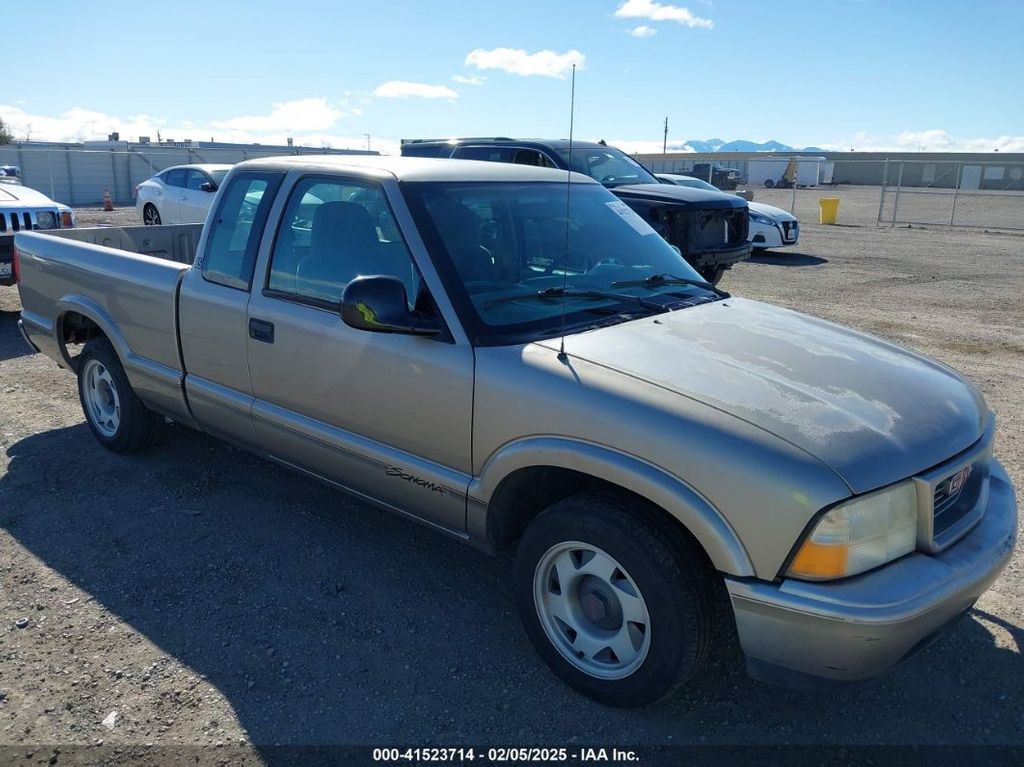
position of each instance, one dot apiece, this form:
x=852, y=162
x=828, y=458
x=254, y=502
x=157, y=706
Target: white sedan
x=770, y=227
x=179, y=195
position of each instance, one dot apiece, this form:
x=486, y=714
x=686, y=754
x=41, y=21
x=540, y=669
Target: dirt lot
x=206, y=596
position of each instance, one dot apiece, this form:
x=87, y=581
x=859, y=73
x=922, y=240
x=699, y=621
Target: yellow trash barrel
x=828, y=210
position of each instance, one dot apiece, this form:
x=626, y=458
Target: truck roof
x=418, y=168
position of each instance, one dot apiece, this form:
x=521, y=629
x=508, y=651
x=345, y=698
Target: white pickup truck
x=513, y=356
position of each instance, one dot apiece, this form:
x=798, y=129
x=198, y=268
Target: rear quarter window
x=235, y=231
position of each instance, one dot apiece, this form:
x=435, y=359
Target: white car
x=770, y=227
x=179, y=195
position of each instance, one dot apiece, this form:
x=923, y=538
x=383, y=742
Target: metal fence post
x=796, y=178
x=881, y=199
x=956, y=191
x=896, y=202
x=71, y=180
x=49, y=167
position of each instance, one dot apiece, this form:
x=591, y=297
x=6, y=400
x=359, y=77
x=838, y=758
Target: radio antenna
x=568, y=187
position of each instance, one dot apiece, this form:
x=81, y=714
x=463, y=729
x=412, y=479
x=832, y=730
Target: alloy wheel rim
x=101, y=400
x=592, y=610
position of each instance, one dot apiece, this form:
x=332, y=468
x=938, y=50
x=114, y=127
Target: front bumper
x=720, y=257
x=796, y=632
x=773, y=235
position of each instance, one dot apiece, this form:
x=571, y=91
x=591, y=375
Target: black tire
x=769, y=184
x=680, y=591
x=150, y=215
x=712, y=274
x=137, y=426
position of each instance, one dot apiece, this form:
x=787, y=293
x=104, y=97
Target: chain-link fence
x=985, y=193
x=79, y=176
x=955, y=194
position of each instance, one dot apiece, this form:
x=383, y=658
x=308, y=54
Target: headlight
x=859, y=535
x=762, y=219
x=46, y=219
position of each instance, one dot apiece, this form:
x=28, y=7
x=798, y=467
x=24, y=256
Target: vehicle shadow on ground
x=11, y=343
x=323, y=620
x=772, y=258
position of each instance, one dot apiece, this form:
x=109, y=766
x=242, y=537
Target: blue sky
x=868, y=74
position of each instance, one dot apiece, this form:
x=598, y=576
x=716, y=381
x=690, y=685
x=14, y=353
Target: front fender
x=668, y=491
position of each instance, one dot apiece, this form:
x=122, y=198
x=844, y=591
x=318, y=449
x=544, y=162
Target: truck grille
x=720, y=228
x=15, y=221
x=957, y=495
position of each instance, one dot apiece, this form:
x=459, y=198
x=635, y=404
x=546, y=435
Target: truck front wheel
x=712, y=274
x=116, y=416
x=618, y=602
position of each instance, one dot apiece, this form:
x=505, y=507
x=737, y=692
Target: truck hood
x=12, y=196
x=872, y=411
x=672, y=194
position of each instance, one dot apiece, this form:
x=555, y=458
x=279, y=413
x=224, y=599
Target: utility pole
x=664, y=140
x=367, y=141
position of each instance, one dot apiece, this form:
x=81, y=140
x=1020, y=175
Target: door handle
x=261, y=330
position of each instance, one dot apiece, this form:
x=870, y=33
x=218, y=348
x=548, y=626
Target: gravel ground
x=197, y=595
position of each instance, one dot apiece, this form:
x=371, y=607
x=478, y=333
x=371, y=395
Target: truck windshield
x=501, y=250
x=608, y=165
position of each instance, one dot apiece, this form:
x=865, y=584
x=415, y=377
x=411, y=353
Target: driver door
x=385, y=415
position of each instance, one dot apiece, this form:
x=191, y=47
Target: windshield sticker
x=630, y=216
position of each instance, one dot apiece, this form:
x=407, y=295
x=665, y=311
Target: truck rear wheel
x=618, y=603
x=116, y=416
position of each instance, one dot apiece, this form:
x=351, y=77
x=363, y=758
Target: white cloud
x=313, y=114
x=646, y=146
x=76, y=125
x=655, y=11
x=402, y=89
x=642, y=31
x=516, y=61
x=471, y=80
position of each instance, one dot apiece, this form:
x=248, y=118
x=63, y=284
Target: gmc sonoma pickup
x=662, y=460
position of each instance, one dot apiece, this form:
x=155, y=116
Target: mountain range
x=717, y=145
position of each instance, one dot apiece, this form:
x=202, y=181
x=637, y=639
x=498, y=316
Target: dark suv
x=709, y=228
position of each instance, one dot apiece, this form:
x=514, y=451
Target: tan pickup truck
x=514, y=357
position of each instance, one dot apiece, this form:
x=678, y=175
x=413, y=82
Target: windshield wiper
x=669, y=279
x=559, y=292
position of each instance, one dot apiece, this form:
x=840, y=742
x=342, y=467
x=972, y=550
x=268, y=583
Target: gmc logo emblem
x=958, y=480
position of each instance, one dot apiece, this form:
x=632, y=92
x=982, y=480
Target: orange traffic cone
x=108, y=204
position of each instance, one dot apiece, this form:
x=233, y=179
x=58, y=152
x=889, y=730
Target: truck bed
x=126, y=280
x=173, y=243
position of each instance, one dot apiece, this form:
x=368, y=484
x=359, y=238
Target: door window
x=533, y=157
x=196, y=178
x=234, y=237
x=487, y=153
x=175, y=177
x=333, y=231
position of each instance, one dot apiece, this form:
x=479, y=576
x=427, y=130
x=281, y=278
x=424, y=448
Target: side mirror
x=378, y=303
x=208, y=186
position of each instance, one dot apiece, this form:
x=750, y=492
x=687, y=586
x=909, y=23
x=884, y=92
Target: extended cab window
x=333, y=231
x=234, y=237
